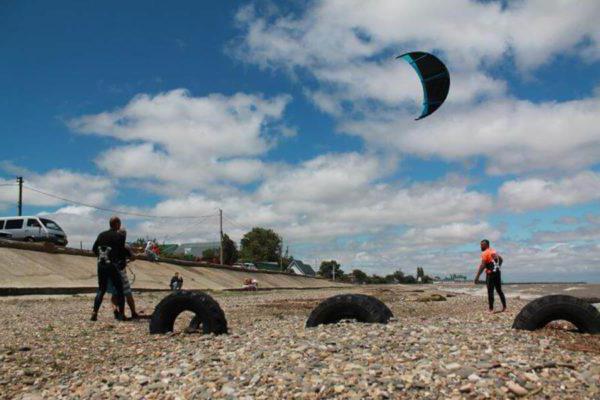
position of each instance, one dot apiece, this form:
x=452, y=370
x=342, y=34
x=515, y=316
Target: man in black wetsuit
x=176, y=282
x=491, y=262
x=110, y=249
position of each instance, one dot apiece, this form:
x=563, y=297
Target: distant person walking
x=110, y=250
x=491, y=262
x=150, y=251
x=176, y=282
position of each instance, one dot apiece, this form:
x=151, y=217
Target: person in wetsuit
x=490, y=263
x=176, y=282
x=127, y=292
x=110, y=250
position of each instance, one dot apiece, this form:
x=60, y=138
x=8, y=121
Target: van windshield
x=50, y=224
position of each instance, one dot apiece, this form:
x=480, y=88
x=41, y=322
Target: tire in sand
x=209, y=317
x=359, y=307
x=544, y=310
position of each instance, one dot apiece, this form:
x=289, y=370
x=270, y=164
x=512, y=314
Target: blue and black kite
x=434, y=78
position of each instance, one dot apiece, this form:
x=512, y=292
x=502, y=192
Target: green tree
x=327, y=267
x=260, y=244
x=409, y=279
x=376, y=279
x=210, y=254
x=359, y=276
x=420, y=273
x=230, y=251
x=399, y=276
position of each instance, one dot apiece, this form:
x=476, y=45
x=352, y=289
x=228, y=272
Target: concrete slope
x=36, y=269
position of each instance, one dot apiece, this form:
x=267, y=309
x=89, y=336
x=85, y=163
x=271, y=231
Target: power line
x=9, y=184
x=114, y=210
x=236, y=224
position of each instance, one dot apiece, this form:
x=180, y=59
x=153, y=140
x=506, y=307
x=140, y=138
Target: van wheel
x=30, y=240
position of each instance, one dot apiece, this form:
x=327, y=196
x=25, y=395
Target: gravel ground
x=431, y=350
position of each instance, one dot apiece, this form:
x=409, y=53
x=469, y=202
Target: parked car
x=32, y=229
x=250, y=266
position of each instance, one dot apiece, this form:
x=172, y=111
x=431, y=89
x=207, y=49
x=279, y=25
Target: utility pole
x=221, y=236
x=20, y=204
x=281, y=255
x=333, y=270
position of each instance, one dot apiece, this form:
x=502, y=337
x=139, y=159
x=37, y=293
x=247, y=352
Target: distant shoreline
x=524, y=283
x=545, y=283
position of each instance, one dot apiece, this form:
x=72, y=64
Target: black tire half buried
x=544, y=310
x=208, y=314
x=359, y=307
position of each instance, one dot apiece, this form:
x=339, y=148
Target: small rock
x=516, y=388
x=466, y=388
x=254, y=379
x=465, y=372
x=531, y=377
x=452, y=366
x=339, y=388
x=227, y=390
x=32, y=396
x=142, y=379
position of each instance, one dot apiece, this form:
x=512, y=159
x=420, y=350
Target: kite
x=434, y=78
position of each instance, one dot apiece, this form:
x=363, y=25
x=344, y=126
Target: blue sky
x=298, y=118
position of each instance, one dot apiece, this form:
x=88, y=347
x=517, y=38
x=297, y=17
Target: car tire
x=358, y=307
x=544, y=310
x=208, y=313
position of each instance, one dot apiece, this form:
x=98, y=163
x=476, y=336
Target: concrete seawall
x=37, y=271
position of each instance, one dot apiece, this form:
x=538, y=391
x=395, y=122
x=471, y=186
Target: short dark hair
x=486, y=241
x=114, y=222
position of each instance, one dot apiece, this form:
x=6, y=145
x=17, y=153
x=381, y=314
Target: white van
x=32, y=229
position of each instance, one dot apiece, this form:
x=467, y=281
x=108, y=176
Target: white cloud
x=469, y=33
x=175, y=137
x=82, y=187
x=537, y=193
x=457, y=233
x=515, y=135
x=348, y=48
x=337, y=195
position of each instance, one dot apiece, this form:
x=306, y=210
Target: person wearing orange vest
x=491, y=263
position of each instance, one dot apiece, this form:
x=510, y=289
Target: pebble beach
x=450, y=349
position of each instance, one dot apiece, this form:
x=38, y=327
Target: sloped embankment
x=33, y=268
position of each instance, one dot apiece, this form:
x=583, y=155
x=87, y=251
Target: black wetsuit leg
x=489, y=281
x=494, y=281
x=115, y=276
x=105, y=272
x=498, y=286
x=103, y=276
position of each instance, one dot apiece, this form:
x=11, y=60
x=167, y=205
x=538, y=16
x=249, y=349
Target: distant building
x=455, y=278
x=299, y=268
x=195, y=249
x=267, y=266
